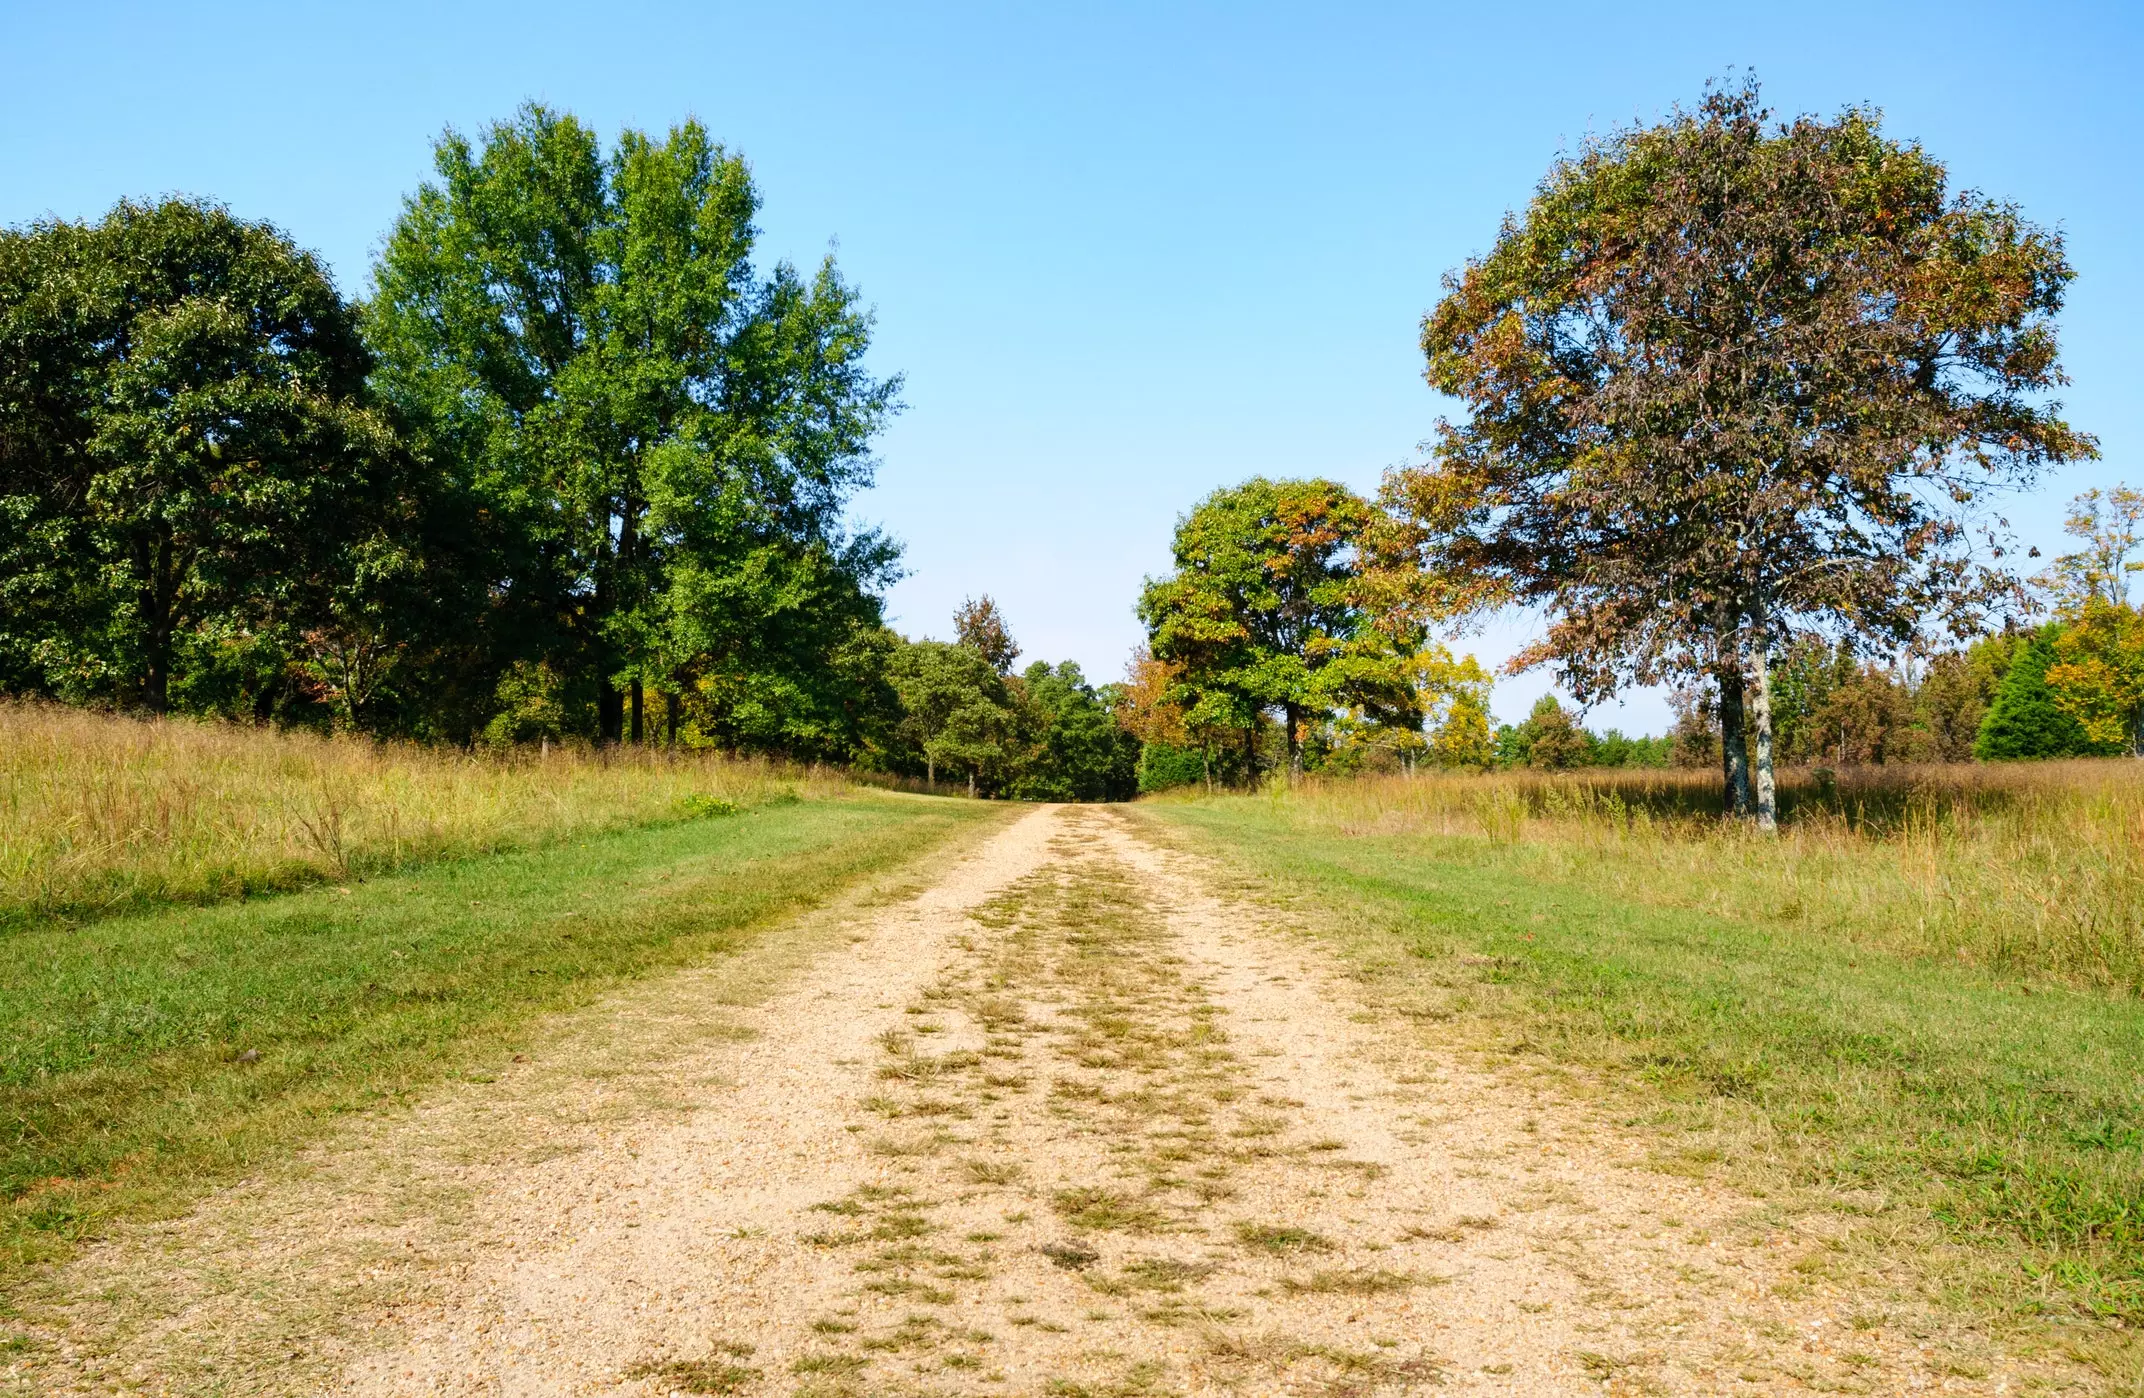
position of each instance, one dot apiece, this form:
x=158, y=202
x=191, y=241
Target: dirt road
x=1066, y=1124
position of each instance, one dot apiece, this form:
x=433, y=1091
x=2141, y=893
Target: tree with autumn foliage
x=979, y=624
x=1727, y=382
x=2096, y=674
x=2109, y=528
x=1265, y=612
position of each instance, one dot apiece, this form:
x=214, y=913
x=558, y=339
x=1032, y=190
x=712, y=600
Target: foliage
x=2108, y=524
x=1463, y=739
x=1728, y=383
x=979, y=625
x=1831, y=707
x=1082, y=752
x=1549, y=739
x=1265, y=610
x=1164, y=767
x=1045, y=735
x=2023, y=719
x=957, y=712
x=662, y=441
x=199, y=506
x=2097, y=678
x=2096, y=675
x=1150, y=705
x=1552, y=740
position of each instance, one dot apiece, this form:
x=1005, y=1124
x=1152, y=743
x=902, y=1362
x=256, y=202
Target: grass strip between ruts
x=2010, y=1114
x=149, y=1056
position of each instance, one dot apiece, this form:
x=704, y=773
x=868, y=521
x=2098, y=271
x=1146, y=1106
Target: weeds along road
x=1060, y=1123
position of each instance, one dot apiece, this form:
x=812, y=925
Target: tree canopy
x=191, y=479
x=1729, y=381
x=1266, y=610
x=662, y=439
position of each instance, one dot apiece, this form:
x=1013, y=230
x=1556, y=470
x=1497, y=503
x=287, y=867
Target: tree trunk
x=971, y=786
x=1295, y=750
x=156, y=688
x=670, y=708
x=639, y=705
x=930, y=772
x=610, y=704
x=1761, y=717
x=610, y=712
x=1734, y=750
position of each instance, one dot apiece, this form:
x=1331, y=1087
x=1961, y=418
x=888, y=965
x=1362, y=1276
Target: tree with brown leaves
x=1729, y=381
x=980, y=625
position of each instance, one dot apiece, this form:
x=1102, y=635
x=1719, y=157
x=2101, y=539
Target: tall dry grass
x=2033, y=867
x=99, y=813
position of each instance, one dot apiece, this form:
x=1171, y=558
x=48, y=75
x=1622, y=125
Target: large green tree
x=1728, y=381
x=663, y=439
x=191, y=480
x=1266, y=611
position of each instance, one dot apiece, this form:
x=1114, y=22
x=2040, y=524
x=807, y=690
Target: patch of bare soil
x=1068, y=1125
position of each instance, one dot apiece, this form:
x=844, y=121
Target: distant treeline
x=1991, y=700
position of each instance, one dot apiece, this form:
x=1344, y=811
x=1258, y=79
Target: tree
x=191, y=472
x=1175, y=749
x=2097, y=677
x=1081, y=752
x=2023, y=720
x=1549, y=740
x=1463, y=737
x=1729, y=382
x=980, y=626
x=957, y=712
x=1953, y=696
x=1265, y=611
x=2111, y=526
x=664, y=441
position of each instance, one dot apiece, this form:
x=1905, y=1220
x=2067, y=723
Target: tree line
x=578, y=468
x=1737, y=395
x=1210, y=695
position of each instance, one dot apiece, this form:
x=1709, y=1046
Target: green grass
x=147, y=1056
x=2003, y=1113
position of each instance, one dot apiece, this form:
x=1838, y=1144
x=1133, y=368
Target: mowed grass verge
x=1995, y=1119
x=145, y=1057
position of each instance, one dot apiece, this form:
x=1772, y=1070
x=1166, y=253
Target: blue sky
x=1124, y=254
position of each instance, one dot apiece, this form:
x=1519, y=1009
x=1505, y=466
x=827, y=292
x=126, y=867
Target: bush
x=1162, y=767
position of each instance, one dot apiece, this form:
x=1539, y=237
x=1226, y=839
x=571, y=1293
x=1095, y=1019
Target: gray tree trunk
x=1761, y=718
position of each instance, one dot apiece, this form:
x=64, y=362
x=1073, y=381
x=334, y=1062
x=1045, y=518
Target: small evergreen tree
x=2024, y=721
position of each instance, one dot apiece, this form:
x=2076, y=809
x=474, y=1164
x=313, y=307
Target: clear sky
x=1124, y=254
